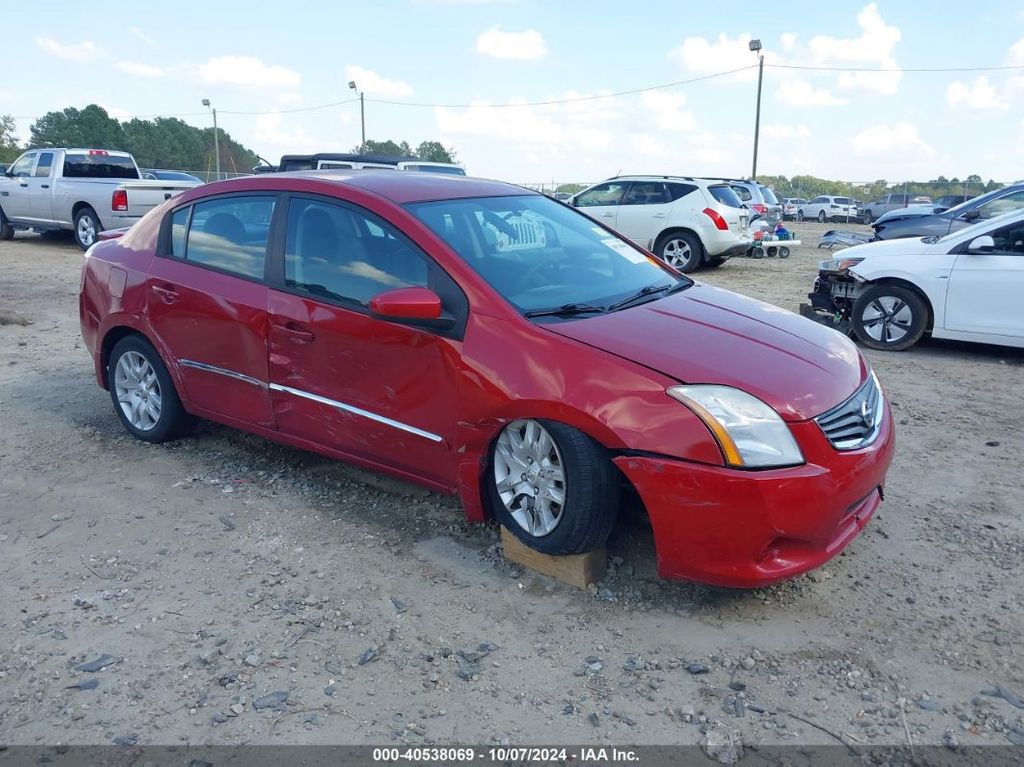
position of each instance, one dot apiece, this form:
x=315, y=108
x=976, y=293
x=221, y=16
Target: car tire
x=680, y=250
x=868, y=218
x=6, y=228
x=799, y=215
x=87, y=227
x=578, y=510
x=821, y=217
x=889, y=317
x=143, y=393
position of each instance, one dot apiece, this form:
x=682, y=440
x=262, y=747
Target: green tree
x=388, y=147
x=9, y=148
x=435, y=151
x=88, y=127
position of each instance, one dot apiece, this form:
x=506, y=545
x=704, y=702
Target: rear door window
x=646, y=193
x=229, y=234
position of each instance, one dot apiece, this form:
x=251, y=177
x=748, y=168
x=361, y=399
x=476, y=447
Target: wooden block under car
x=577, y=570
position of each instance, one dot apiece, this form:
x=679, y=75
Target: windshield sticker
x=625, y=251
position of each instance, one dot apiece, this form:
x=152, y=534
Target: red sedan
x=487, y=341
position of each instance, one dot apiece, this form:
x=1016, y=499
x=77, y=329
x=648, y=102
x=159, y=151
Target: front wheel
x=800, y=215
x=868, y=218
x=680, y=250
x=552, y=486
x=87, y=227
x=143, y=393
x=821, y=217
x=889, y=317
x=6, y=228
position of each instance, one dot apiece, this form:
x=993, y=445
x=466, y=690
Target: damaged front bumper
x=832, y=299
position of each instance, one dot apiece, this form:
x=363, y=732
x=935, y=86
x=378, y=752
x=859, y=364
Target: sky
x=469, y=73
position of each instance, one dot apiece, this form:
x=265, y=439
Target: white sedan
x=966, y=286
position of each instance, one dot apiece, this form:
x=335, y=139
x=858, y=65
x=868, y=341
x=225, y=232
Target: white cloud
x=1016, y=54
x=872, y=48
x=667, y=110
x=800, y=93
x=116, y=112
x=141, y=35
x=698, y=54
x=886, y=140
x=375, y=84
x=276, y=138
x=83, y=51
x=247, y=72
x=784, y=131
x=139, y=69
x=981, y=95
x=527, y=45
x=288, y=98
x=788, y=40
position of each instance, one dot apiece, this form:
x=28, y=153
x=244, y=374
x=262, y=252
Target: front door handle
x=167, y=293
x=607, y=215
x=44, y=186
x=659, y=215
x=297, y=333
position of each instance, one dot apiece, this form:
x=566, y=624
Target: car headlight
x=749, y=432
x=838, y=264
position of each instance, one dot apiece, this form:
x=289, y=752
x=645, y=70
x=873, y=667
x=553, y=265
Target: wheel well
x=916, y=290
x=110, y=341
x=684, y=230
x=78, y=206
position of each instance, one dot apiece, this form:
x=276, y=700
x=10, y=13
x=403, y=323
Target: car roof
x=400, y=188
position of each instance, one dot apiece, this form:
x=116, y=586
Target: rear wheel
x=680, y=250
x=143, y=393
x=87, y=227
x=552, y=486
x=889, y=317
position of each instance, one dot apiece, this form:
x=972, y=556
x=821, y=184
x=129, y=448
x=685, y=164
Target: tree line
x=164, y=142
x=812, y=186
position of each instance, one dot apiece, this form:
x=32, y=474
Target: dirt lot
x=223, y=569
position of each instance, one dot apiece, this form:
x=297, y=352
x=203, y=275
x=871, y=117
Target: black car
x=940, y=224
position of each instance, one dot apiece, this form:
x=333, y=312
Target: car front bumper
x=746, y=529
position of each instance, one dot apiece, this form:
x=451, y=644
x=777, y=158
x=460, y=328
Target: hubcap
x=887, y=319
x=530, y=477
x=86, y=230
x=137, y=390
x=677, y=253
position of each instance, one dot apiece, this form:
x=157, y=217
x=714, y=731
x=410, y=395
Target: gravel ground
x=244, y=592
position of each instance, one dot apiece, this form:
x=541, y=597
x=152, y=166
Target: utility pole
x=216, y=139
x=755, y=46
x=362, y=115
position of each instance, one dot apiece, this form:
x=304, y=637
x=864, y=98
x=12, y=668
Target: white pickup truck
x=83, y=190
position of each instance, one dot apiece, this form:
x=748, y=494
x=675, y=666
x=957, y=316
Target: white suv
x=826, y=208
x=684, y=221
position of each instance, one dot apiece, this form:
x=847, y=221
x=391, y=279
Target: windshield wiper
x=566, y=310
x=649, y=290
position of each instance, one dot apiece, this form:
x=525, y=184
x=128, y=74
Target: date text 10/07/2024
x=503, y=754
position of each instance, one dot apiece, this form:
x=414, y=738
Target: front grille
x=856, y=422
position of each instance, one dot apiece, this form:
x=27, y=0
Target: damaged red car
x=490, y=342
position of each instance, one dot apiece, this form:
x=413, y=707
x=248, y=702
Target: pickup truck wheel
x=87, y=227
x=889, y=317
x=552, y=486
x=821, y=217
x=6, y=228
x=143, y=393
x=680, y=250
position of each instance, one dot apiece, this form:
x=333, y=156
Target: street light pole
x=755, y=46
x=362, y=115
x=216, y=139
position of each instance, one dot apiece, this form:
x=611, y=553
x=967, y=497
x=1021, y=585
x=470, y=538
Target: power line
x=897, y=69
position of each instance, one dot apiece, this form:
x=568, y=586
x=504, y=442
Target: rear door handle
x=607, y=215
x=297, y=333
x=44, y=186
x=167, y=293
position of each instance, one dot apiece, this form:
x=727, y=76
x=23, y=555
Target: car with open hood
x=490, y=342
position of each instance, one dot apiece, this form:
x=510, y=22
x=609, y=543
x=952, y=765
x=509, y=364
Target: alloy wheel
x=887, y=319
x=677, y=253
x=86, y=230
x=138, y=390
x=529, y=476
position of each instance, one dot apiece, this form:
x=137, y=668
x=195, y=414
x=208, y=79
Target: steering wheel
x=529, y=273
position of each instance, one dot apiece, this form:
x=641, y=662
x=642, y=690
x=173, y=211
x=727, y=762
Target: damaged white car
x=966, y=286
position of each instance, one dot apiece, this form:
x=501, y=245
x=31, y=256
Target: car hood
x=903, y=213
x=709, y=335
x=917, y=226
x=901, y=247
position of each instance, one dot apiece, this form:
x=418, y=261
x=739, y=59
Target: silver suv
x=757, y=198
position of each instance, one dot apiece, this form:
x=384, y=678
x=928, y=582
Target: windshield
x=973, y=203
x=985, y=226
x=541, y=255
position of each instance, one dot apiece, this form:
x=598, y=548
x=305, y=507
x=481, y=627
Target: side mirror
x=410, y=305
x=9, y=173
x=971, y=215
x=983, y=244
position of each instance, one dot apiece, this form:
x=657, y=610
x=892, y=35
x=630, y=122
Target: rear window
x=725, y=195
x=769, y=195
x=99, y=166
x=742, y=192
x=451, y=170
x=842, y=200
